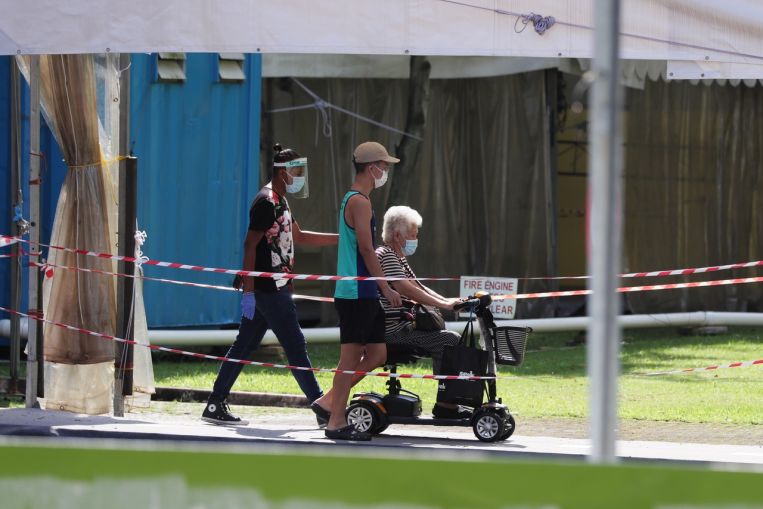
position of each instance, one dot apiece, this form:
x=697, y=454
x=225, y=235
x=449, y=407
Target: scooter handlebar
x=466, y=303
x=483, y=299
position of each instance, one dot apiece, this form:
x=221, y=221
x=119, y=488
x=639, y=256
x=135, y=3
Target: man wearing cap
x=361, y=317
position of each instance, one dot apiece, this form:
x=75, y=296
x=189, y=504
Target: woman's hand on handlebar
x=452, y=303
x=465, y=303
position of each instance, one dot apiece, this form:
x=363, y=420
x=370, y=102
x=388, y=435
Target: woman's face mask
x=410, y=246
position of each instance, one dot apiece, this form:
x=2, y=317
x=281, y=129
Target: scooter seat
x=404, y=354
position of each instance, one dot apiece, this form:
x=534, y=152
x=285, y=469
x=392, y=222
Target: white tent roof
x=724, y=39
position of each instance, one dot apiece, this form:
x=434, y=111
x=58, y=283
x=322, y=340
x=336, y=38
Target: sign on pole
x=495, y=286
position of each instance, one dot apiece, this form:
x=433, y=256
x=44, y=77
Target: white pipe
x=693, y=319
x=226, y=337
x=5, y=328
x=186, y=337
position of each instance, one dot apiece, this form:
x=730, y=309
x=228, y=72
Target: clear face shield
x=295, y=176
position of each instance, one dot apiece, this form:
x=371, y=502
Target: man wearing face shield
x=267, y=303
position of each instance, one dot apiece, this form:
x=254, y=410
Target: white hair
x=399, y=219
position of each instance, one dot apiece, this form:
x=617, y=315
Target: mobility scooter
x=491, y=421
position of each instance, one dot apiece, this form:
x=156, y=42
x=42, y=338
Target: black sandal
x=321, y=414
x=348, y=433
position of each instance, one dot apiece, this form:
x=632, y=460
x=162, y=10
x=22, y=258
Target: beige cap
x=370, y=152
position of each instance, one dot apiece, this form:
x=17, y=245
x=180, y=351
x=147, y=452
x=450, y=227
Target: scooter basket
x=509, y=343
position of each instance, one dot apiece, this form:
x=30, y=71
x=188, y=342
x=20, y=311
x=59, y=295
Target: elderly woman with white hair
x=400, y=237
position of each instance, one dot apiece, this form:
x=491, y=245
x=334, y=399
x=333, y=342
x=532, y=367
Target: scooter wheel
x=509, y=427
x=488, y=425
x=366, y=418
x=381, y=427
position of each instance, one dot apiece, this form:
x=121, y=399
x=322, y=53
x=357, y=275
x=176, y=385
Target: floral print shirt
x=270, y=213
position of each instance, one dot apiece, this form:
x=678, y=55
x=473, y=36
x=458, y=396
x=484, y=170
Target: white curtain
x=80, y=101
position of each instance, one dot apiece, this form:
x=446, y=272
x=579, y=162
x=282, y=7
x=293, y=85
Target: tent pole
x=551, y=80
x=126, y=223
x=605, y=168
x=17, y=201
x=33, y=345
x=128, y=183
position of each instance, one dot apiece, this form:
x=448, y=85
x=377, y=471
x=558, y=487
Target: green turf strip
x=363, y=481
x=552, y=382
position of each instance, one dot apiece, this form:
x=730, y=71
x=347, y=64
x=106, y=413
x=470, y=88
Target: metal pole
x=128, y=180
x=17, y=201
x=123, y=354
x=33, y=352
x=604, y=187
x=551, y=79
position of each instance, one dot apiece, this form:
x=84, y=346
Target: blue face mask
x=296, y=185
x=410, y=247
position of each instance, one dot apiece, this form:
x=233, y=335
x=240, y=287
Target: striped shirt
x=393, y=266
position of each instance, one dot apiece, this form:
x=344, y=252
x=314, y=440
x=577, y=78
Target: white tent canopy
x=724, y=39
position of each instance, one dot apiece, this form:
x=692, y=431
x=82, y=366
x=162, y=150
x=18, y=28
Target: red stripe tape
x=708, y=368
x=494, y=297
x=226, y=359
x=663, y=273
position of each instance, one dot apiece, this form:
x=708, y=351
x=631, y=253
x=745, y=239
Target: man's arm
x=359, y=212
x=313, y=238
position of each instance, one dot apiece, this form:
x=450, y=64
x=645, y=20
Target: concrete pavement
x=297, y=427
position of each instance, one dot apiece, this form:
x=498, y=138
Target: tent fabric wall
x=197, y=144
x=483, y=178
x=694, y=190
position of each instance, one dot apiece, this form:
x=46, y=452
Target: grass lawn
x=552, y=381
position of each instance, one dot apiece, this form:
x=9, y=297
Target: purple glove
x=248, y=305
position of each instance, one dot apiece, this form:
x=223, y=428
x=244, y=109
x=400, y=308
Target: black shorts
x=360, y=321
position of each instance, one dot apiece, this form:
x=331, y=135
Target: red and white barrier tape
x=697, y=270
x=147, y=278
x=318, y=277
x=383, y=374
x=661, y=273
x=346, y=372
x=251, y=273
x=7, y=241
x=629, y=289
x=21, y=253
x=44, y=266
x=744, y=364
x=568, y=293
